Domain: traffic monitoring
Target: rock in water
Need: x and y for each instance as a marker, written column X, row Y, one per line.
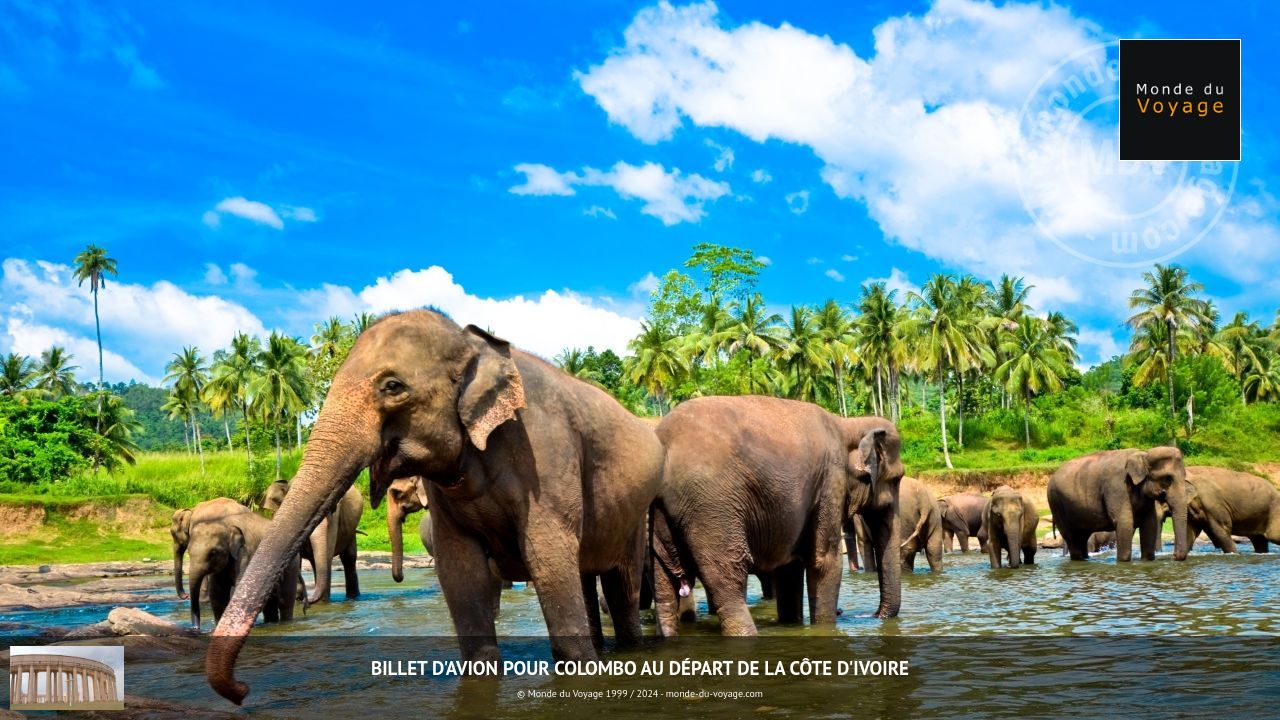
column 132, row 621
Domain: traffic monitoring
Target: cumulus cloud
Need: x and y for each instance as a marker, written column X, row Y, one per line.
column 834, row 275
column 599, row 211
column 669, row 196
column 924, row 131
column 645, row 285
column 213, row 274
column 1097, row 346
column 256, row 212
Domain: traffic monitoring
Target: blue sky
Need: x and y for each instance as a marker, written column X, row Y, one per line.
column 531, row 166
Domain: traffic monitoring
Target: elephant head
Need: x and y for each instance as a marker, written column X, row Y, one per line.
column 275, row 495
column 874, row 474
column 180, row 530
column 215, row 547
column 417, row 395
column 1160, row 475
column 1006, row 519
column 404, row 496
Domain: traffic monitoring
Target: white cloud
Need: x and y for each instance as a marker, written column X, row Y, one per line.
column 43, row 305
column 645, row 285
column 301, row 214
column 848, row 258
column 814, row 261
column 251, row 210
column 1096, row 346
column 672, row 197
column 213, row 275
column 245, row 277
column 599, row 211
column 26, row 337
column 834, row 275
column 541, row 179
column 545, row 325
column 724, row 156
column 761, row 176
column 212, row 219
column 798, row 202
column 898, row 281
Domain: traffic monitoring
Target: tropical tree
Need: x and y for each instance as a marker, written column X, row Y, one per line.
column 232, row 377
column 362, row 322
column 17, row 372
column 94, row 265
column 836, row 333
column 115, row 439
column 948, row 338
column 331, row 338
column 879, row 342
column 1262, row 381
column 803, row 357
column 1034, row 364
column 574, row 362
column 219, row 398
column 280, row 390
column 1243, row 342
column 657, row 363
column 753, row 330
column 1169, row 299
column 189, row 375
column 55, row 375
column 180, row 407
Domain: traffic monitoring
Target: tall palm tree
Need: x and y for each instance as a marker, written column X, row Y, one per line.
column 16, row 374
column 754, row 330
column 1242, row 341
column 362, row 322
column 973, row 297
column 331, row 335
column 1007, row 302
column 657, row 363
column 232, row 378
column 1169, row 299
column 180, row 407
column 1061, row 332
column 189, row 375
column 948, row 338
column 55, row 375
column 1035, row 364
column 280, row 389
column 880, row 344
column 94, row 265
column 803, row 356
column 220, row 397
column 836, row 332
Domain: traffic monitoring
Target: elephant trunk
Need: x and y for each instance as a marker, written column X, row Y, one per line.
column 1177, row 499
column 343, row 442
column 886, row 540
column 321, row 560
column 1013, row 538
column 395, row 529
column 197, row 581
column 178, row 551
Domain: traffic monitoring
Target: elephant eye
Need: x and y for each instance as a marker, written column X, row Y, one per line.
column 393, row 387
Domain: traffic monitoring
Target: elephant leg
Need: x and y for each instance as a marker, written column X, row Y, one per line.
column 993, row 552
column 726, row 582
column 1124, row 534
column 470, row 590
column 933, row 551
column 823, row 578
column 946, row 541
column 592, row 600
column 665, row 601
column 349, row 574
column 789, row 590
column 622, row 593
column 552, row 559
column 220, row 594
column 271, row 611
column 1149, row 534
column 962, row 538
column 767, row 591
column 1220, row 535
column 1259, row 544
column 1075, row 541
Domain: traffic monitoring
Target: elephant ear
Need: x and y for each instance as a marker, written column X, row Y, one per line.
column 866, row 459
column 1136, row 468
column 420, row 488
column 235, row 544
column 492, row 389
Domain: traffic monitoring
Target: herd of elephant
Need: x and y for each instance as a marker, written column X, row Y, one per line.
column 533, row 475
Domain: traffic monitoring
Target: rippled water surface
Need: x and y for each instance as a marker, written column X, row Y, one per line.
column 994, row 641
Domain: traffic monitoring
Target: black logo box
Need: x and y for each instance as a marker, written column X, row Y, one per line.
column 1185, row 67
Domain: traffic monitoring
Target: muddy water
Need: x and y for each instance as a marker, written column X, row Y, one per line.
column 980, row 642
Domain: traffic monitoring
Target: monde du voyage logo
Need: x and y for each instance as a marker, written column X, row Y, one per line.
column 1180, row 100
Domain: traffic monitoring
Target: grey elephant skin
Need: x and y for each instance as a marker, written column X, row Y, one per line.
column 220, row 550
column 180, row 530
column 543, row 474
column 1011, row 519
column 1118, row 491
column 760, row 484
column 335, row 536
column 961, row 519
column 919, row 525
column 1225, row 502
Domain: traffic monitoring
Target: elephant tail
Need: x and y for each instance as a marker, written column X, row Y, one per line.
column 915, row 533
column 666, row 548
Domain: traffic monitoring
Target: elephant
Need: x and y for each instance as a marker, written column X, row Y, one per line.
column 336, row 536
column 180, row 530
column 1118, row 490
column 1011, row 520
column 220, row 550
column 961, row 518
column 274, row 496
column 1224, row 503
column 544, row 474
column 406, row 496
column 762, row 484
column 918, row 513
column 1100, row 541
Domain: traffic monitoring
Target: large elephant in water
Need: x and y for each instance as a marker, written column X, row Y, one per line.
column 221, row 548
column 543, row 474
column 1120, row 490
column 761, row 484
column 1226, row 502
column 335, row 536
column 183, row 520
column 1010, row 519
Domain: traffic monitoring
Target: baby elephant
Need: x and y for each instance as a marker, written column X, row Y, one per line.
column 220, row 551
column 1010, row 519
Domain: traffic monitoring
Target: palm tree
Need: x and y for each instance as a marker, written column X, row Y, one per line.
column 947, row 341
column 189, row 375
column 1035, row 364
column 1169, row 299
column 657, row 363
column 330, row 338
column 16, row 374
column 362, row 322
column 1263, row 379
column 753, row 330
column 1061, row 331
column 1242, row 341
column 880, row 343
column 180, row 407
column 803, row 356
column 55, row 375
column 219, row 398
column 1007, row 302
column 836, row 333
column 973, row 297
column 232, row 378
column 94, row 265
column 280, row 389
column 116, row 437
column 574, row 362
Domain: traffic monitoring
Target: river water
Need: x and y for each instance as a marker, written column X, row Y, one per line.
column 1053, row 639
